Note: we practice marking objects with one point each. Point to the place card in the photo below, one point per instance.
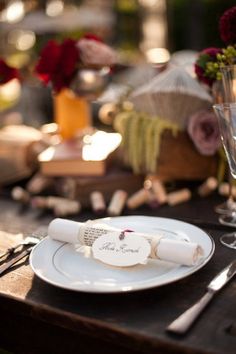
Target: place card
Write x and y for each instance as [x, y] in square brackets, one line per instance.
[122, 249]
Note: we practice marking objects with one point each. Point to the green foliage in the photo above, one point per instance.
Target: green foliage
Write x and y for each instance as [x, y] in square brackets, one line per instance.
[203, 59]
[228, 57]
[212, 68]
[141, 137]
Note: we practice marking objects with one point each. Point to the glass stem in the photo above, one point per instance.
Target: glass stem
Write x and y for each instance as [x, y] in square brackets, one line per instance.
[231, 201]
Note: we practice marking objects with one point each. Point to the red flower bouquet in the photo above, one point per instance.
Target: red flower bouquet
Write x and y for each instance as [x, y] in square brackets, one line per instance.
[210, 60]
[7, 72]
[203, 70]
[59, 63]
[227, 26]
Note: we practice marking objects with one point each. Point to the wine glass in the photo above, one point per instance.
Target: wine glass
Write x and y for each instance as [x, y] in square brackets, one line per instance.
[229, 82]
[229, 95]
[229, 205]
[226, 115]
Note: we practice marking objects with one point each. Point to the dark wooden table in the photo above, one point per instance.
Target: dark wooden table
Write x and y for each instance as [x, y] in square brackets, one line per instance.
[39, 318]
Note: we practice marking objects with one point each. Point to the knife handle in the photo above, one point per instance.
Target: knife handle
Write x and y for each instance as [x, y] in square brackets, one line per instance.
[15, 259]
[182, 324]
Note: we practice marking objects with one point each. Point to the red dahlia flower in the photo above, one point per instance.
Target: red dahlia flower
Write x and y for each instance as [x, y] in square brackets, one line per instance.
[227, 26]
[92, 37]
[58, 63]
[48, 61]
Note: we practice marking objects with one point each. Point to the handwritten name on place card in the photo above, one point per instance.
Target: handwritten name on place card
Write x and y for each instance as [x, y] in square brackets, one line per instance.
[130, 250]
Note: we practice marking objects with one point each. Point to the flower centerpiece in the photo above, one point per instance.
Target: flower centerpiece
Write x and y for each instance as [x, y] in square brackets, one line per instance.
[173, 112]
[169, 129]
[76, 70]
[210, 60]
[207, 69]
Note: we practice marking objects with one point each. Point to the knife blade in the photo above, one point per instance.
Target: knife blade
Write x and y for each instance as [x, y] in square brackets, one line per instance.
[184, 322]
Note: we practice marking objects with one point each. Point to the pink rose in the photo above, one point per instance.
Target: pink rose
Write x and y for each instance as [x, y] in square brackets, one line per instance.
[204, 131]
[93, 52]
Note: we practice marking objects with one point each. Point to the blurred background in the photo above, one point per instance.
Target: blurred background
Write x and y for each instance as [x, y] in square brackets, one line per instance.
[140, 30]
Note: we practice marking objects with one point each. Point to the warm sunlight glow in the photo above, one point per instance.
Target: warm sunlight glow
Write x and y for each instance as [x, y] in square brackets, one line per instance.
[234, 88]
[25, 40]
[89, 77]
[54, 8]
[10, 91]
[151, 3]
[14, 11]
[154, 32]
[99, 145]
[158, 55]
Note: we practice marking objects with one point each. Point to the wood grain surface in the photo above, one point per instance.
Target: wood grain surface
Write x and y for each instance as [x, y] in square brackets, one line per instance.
[39, 318]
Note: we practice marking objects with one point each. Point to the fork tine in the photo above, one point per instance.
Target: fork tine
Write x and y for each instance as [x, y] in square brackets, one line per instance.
[33, 238]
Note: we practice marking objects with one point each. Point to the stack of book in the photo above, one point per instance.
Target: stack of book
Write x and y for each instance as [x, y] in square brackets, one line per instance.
[87, 156]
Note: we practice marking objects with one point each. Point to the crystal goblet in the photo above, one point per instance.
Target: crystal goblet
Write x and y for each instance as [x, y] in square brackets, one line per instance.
[226, 115]
[229, 95]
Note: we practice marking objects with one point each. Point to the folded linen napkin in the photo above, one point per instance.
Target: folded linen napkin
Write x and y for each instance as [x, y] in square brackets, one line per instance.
[166, 249]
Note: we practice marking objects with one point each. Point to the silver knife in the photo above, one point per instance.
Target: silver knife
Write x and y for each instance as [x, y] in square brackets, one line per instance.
[183, 323]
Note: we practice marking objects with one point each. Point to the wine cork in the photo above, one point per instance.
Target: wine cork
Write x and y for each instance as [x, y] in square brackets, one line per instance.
[117, 202]
[45, 202]
[138, 198]
[180, 196]
[207, 187]
[56, 203]
[20, 194]
[97, 202]
[159, 191]
[224, 188]
[39, 202]
[38, 183]
[70, 207]
[152, 199]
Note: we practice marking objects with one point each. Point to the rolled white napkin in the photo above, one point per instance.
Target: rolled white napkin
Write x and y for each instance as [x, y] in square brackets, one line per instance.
[171, 250]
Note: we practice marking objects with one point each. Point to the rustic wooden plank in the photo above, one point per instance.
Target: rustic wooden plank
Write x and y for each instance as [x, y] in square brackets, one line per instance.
[180, 160]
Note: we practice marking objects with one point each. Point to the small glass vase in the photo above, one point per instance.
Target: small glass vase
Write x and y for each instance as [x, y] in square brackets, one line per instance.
[71, 113]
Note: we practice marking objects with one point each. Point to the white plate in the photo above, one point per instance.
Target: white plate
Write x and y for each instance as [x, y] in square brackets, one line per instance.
[63, 265]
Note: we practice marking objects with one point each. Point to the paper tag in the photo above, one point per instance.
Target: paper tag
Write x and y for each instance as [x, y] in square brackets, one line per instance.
[130, 250]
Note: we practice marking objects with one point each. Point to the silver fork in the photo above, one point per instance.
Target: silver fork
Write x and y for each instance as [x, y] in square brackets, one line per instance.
[30, 240]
